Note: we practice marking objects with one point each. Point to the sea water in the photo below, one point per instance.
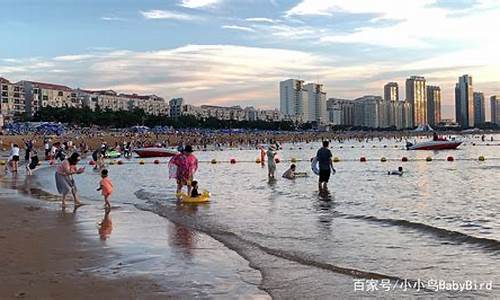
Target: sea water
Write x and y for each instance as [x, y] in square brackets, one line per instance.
[432, 232]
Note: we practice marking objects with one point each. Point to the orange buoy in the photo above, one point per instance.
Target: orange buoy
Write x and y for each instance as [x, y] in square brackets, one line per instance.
[257, 160]
[383, 159]
[428, 158]
[213, 161]
[294, 160]
[482, 158]
[450, 158]
[120, 162]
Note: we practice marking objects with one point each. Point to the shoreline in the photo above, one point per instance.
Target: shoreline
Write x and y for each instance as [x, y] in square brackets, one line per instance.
[43, 256]
[141, 255]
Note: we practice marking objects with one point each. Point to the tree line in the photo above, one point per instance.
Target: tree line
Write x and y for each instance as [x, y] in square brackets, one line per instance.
[85, 117]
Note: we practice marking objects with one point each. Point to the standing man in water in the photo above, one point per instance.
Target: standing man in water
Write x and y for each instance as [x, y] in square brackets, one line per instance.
[324, 158]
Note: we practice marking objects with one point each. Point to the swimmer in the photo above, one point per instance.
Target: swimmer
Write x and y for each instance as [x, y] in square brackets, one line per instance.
[399, 172]
[194, 189]
[290, 173]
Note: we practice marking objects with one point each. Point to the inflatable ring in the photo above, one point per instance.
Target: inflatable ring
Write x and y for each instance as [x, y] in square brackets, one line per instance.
[203, 198]
[315, 166]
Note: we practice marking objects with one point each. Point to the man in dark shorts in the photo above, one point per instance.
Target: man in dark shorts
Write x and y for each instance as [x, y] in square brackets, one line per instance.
[324, 158]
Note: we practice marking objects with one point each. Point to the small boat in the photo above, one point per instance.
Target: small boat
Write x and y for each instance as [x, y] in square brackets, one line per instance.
[434, 145]
[154, 152]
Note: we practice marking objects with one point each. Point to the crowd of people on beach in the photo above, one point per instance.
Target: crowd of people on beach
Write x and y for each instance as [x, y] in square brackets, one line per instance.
[66, 152]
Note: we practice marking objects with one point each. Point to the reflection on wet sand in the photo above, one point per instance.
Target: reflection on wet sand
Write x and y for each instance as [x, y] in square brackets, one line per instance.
[105, 226]
[182, 238]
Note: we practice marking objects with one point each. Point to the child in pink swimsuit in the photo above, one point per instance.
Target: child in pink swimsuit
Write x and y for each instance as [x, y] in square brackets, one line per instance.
[106, 188]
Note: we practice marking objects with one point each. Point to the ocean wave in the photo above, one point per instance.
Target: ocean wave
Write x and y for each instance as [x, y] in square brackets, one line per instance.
[441, 233]
[246, 247]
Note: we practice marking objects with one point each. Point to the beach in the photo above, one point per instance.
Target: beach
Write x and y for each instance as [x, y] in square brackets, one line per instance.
[49, 254]
[43, 257]
[257, 239]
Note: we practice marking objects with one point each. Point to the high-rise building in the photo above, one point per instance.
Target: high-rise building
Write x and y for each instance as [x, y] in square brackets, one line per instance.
[495, 109]
[293, 99]
[417, 97]
[433, 105]
[464, 104]
[391, 91]
[340, 111]
[316, 102]
[366, 111]
[408, 114]
[479, 113]
[386, 114]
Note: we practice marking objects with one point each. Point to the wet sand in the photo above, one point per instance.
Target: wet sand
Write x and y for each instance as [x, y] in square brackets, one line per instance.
[46, 253]
[43, 256]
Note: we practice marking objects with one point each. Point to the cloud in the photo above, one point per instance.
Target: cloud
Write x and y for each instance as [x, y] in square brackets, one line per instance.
[390, 9]
[262, 20]
[407, 24]
[199, 3]
[157, 14]
[224, 74]
[111, 19]
[230, 75]
[73, 57]
[241, 28]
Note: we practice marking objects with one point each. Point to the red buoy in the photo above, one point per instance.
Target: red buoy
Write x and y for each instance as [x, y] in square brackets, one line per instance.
[156, 162]
[405, 159]
[362, 159]
[277, 160]
[450, 158]
[232, 161]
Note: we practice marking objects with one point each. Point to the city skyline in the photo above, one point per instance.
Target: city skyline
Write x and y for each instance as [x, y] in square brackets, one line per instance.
[225, 52]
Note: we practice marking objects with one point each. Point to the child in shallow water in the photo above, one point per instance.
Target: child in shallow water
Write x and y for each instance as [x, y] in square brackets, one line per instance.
[106, 188]
[194, 189]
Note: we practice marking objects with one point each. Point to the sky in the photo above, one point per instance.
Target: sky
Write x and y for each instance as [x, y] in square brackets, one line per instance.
[235, 52]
